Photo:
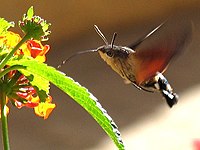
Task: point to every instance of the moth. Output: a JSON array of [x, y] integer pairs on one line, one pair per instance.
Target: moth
[[143, 63]]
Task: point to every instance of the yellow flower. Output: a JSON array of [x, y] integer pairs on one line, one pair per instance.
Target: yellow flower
[[44, 108], [32, 48], [10, 40], [22, 93], [36, 50]]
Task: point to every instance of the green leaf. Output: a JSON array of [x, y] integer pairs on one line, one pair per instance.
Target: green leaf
[[36, 80], [5, 25], [40, 84], [30, 13], [79, 93]]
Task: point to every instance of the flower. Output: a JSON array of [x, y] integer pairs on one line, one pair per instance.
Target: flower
[[10, 40], [32, 48], [22, 94], [22, 90], [19, 89], [45, 108], [37, 50]]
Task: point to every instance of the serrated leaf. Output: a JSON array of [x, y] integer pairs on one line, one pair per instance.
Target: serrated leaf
[[79, 93], [5, 25], [37, 80], [41, 85]]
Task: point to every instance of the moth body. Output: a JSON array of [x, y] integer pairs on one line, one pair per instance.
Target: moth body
[[143, 62], [123, 61]]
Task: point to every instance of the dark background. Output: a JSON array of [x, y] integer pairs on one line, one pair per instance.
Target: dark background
[[69, 126]]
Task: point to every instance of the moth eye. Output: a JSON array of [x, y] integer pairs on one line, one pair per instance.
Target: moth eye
[[110, 53]]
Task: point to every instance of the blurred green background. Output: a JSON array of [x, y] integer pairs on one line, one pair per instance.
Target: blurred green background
[[69, 126]]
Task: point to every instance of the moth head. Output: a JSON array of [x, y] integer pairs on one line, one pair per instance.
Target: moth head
[[108, 52], [111, 52]]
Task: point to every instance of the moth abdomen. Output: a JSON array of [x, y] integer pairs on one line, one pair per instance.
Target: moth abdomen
[[166, 90], [171, 98]]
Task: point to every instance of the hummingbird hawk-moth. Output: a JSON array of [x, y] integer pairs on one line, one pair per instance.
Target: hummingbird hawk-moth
[[143, 62]]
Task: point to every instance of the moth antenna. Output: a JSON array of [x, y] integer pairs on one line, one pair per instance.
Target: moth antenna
[[113, 39], [154, 30], [100, 34], [75, 54]]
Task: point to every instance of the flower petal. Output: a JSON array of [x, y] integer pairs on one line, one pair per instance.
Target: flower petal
[[44, 109], [37, 50]]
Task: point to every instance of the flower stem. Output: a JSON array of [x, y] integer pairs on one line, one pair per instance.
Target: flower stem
[[4, 121], [15, 67], [5, 60]]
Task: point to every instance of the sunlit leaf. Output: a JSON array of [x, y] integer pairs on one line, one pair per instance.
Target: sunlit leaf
[[79, 93], [5, 25], [30, 13]]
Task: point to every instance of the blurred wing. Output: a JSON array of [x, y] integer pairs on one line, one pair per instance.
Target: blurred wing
[[139, 41], [154, 53]]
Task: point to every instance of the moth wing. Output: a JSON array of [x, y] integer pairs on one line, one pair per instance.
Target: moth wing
[[155, 51]]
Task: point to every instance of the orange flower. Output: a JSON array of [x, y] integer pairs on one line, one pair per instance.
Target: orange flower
[[31, 48], [45, 108], [36, 50], [24, 95], [21, 92], [10, 40]]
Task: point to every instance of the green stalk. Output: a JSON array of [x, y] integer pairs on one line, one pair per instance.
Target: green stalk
[[5, 60], [4, 121], [15, 67]]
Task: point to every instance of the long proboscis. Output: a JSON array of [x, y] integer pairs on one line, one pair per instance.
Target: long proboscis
[[75, 54]]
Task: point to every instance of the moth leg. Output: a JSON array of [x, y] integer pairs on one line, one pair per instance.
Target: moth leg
[[166, 90], [141, 88], [131, 77]]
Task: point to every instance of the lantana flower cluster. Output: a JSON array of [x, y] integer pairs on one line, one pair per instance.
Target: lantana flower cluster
[[19, 91]]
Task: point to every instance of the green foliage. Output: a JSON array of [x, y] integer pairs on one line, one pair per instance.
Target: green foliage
[[40, 75], [79, 93], [30, 13], [5, 25]]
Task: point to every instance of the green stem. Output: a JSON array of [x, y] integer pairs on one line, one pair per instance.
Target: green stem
[[15, 67], [5, 60], [4, 121]]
